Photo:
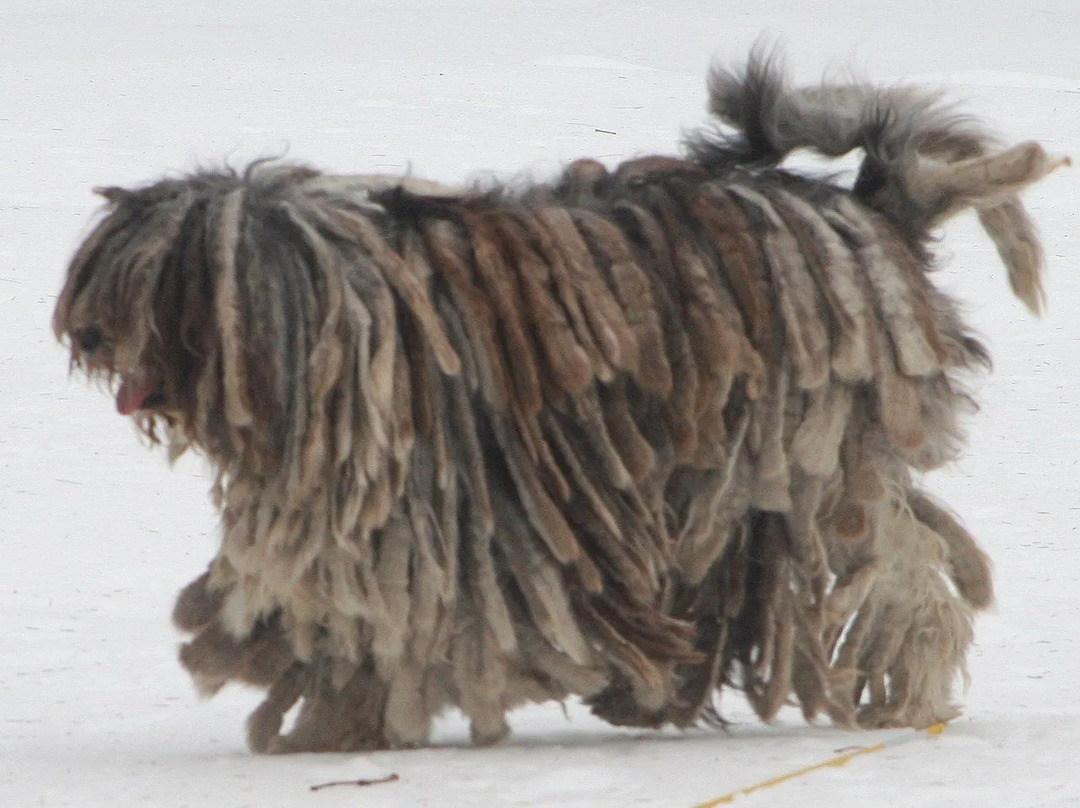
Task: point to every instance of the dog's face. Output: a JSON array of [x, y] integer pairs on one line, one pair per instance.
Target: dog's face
[[139, 382], [130, 320], [177, 305], [147, 377]]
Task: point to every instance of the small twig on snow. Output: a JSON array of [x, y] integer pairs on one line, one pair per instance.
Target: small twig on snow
[[390, 778]]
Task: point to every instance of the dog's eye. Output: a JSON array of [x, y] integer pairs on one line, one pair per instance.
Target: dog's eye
[[88, 339]]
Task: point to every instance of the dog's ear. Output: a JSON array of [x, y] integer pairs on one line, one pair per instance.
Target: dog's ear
[[113, 194]]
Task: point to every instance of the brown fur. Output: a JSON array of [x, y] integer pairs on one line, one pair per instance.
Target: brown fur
[[633, 436]]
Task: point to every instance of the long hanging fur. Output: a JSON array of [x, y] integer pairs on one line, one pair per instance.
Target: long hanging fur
[[633, 436]]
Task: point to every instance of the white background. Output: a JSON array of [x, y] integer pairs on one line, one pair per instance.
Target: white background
[[97, 534]]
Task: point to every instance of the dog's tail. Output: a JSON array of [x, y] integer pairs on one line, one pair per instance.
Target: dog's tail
[[923, 162]]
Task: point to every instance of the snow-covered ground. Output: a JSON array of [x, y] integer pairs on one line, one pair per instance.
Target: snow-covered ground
[[96, 534]]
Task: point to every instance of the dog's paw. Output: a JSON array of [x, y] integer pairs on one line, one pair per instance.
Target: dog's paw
[[214, 656], [197, 605]]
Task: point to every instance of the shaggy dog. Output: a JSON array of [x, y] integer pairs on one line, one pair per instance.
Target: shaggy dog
[[634, 435]]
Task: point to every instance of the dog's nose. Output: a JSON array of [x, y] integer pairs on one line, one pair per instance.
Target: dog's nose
[[88, 339]]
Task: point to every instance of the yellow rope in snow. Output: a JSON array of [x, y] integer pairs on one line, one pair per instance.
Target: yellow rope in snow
[[839, 760]]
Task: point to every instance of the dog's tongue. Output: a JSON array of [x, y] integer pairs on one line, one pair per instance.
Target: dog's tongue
[[130, 396]]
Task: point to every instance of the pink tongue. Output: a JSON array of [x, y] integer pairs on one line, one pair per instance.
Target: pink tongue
[[130, 397]]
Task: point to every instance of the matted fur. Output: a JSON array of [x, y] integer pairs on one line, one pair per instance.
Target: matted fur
[[635, 435]]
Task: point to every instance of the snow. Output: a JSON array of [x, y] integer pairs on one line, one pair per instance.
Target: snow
[[98, 533]]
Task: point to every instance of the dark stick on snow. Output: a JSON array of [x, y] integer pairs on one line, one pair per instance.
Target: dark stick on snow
[[390, 778]]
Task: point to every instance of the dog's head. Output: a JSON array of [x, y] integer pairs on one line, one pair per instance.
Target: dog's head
[[122, 310], [172, 303]]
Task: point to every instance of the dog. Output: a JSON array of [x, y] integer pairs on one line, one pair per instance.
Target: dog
[[634, 435]]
